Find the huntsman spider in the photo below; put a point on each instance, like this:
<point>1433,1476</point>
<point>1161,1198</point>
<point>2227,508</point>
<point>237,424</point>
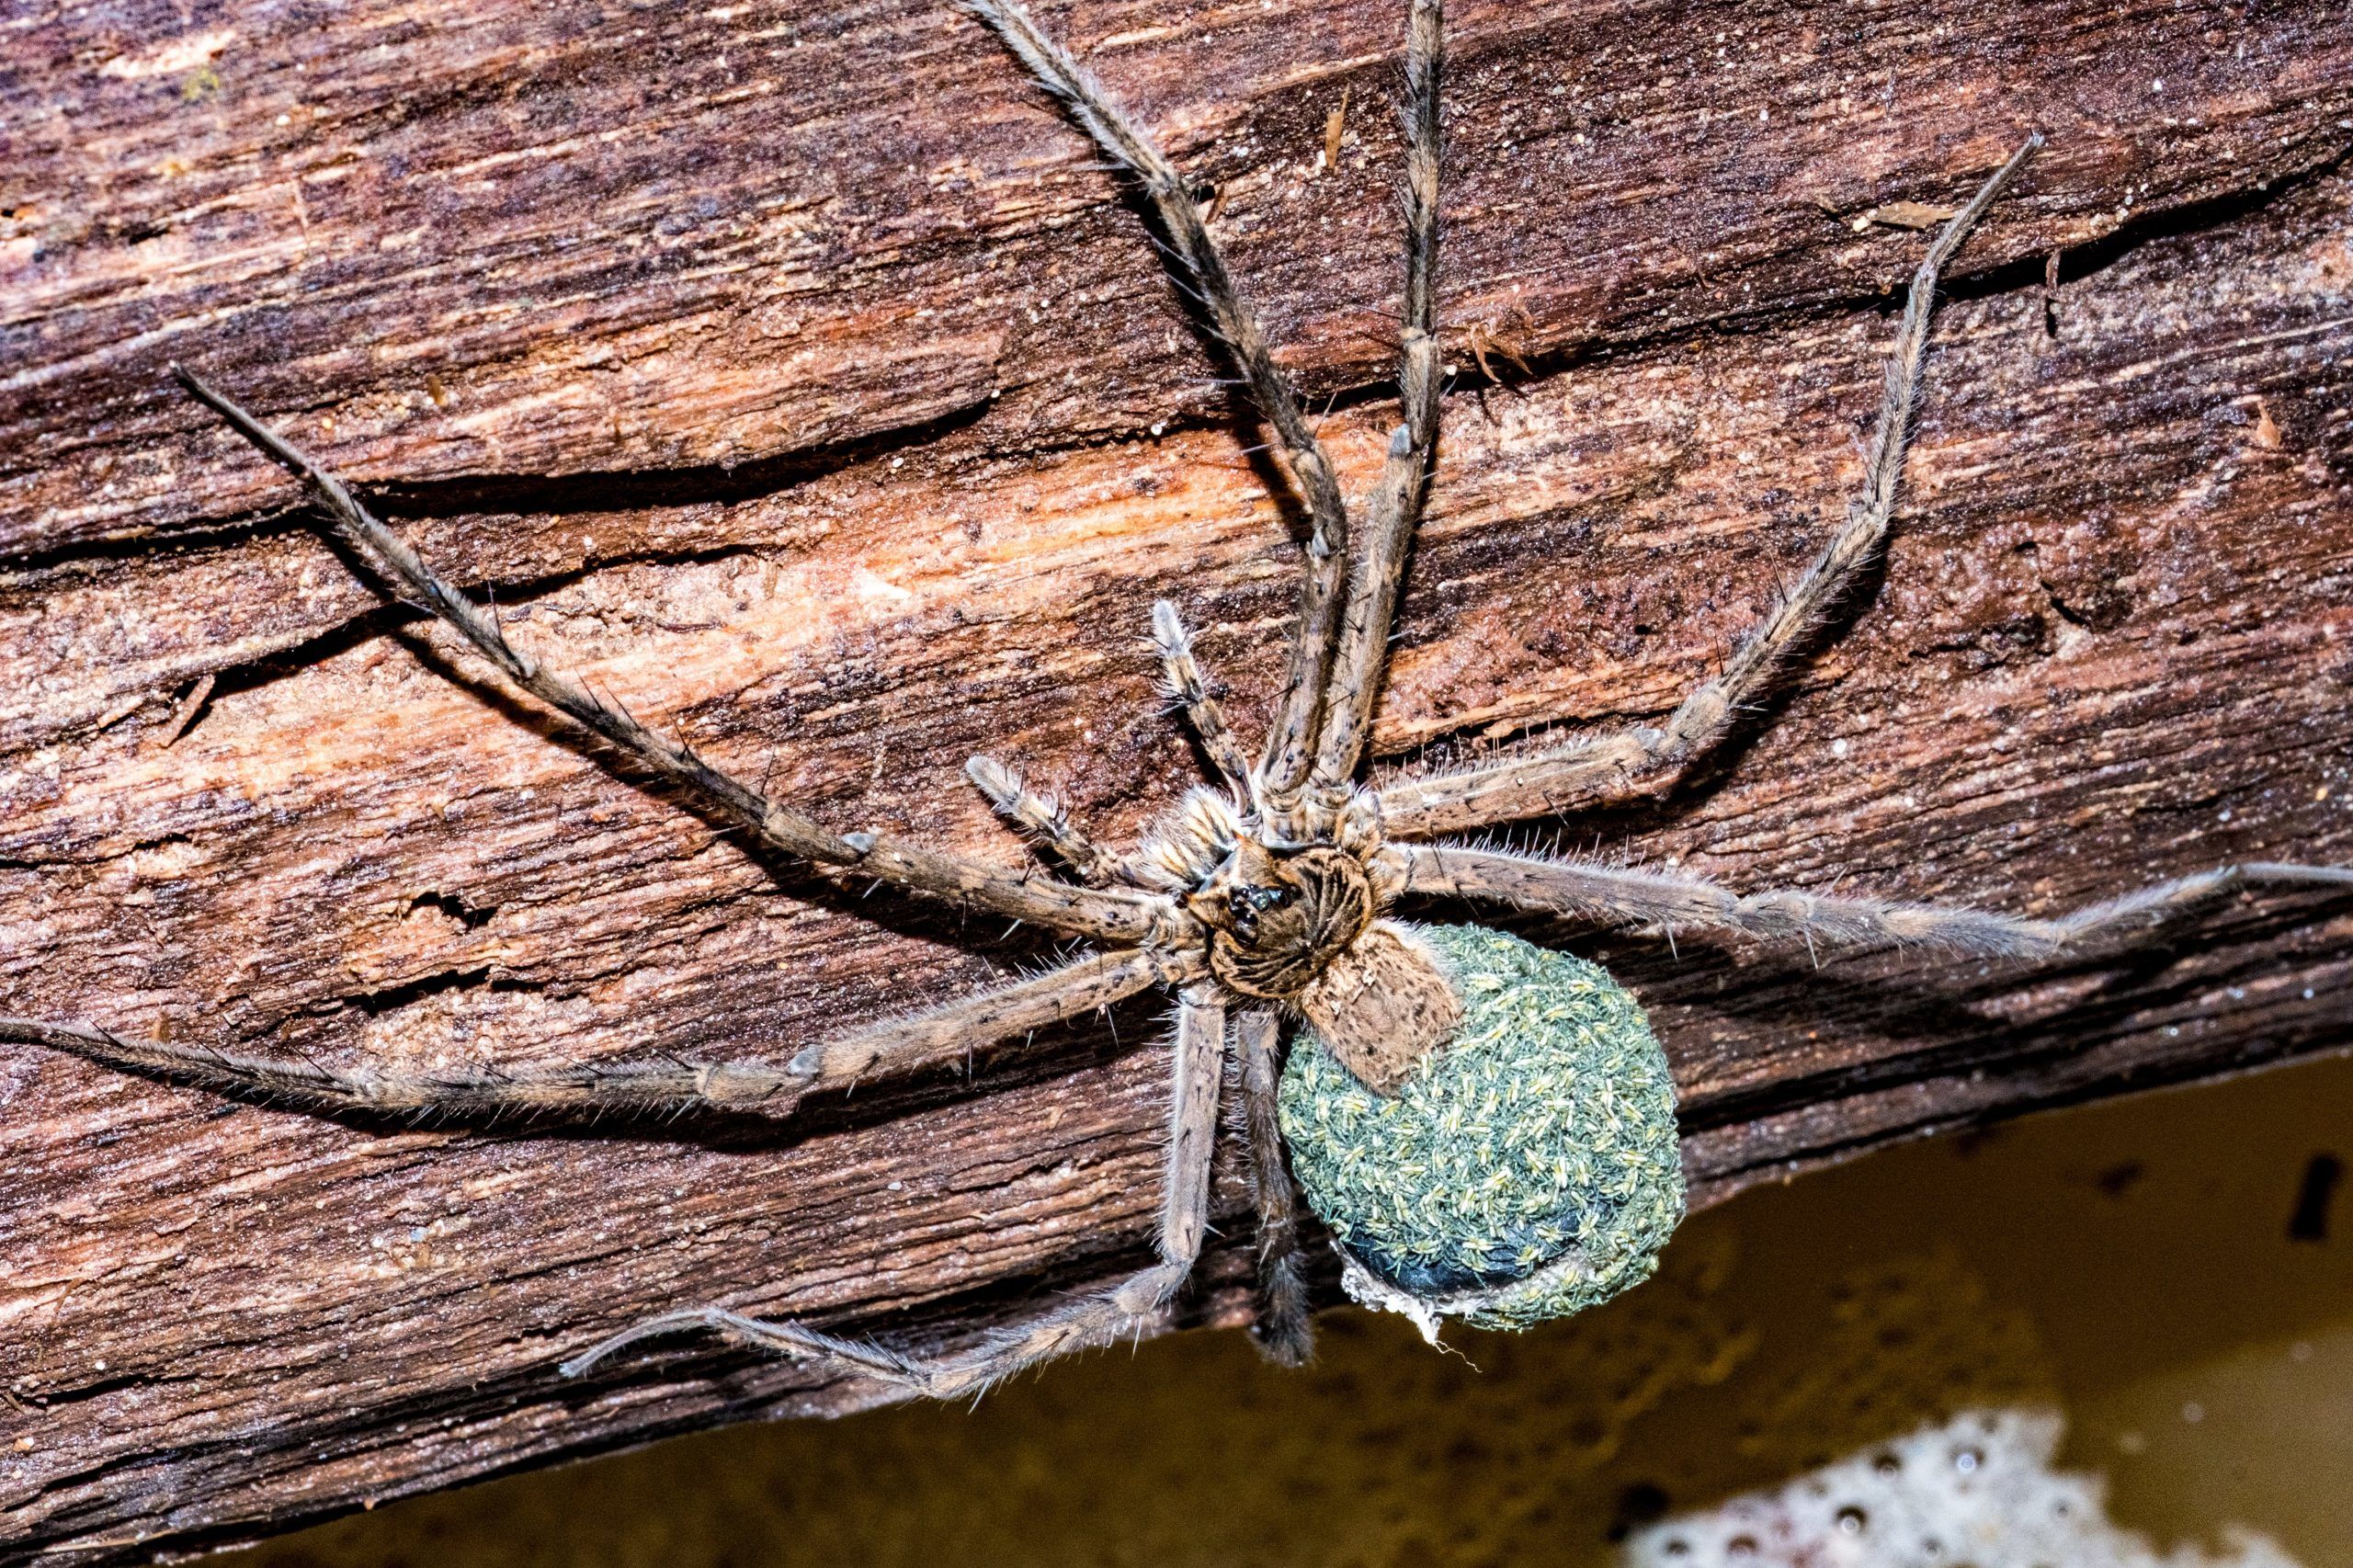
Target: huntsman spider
<point>1263,897</point>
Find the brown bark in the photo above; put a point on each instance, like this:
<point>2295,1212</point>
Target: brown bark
<point>785,369</point>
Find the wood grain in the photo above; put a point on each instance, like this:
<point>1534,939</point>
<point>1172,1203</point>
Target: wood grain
<point>788,370</point>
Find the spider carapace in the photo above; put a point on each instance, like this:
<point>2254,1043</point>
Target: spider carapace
<point>1299,927</point>
<point>1486,1128</point>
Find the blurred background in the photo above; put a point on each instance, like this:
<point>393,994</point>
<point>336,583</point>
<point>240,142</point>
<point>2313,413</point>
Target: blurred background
<point>2119,1335</point>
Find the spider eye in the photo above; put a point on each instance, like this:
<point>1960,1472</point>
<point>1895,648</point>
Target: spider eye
<point>1245,904</point>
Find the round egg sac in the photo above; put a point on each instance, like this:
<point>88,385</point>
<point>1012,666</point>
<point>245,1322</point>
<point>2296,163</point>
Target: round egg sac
<point>1525,1170</point>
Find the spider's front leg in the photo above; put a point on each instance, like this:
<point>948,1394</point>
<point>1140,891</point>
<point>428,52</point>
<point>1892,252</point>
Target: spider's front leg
<point>1101,914</point>
<point>1089,1320</point>
<point>1394,509</point>
<point>1148,927</point>
<point>1200,268</point>
<point>1594,768</point>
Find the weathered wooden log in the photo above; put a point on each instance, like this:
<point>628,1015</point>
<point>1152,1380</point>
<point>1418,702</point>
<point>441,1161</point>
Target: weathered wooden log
<point>787,369</point>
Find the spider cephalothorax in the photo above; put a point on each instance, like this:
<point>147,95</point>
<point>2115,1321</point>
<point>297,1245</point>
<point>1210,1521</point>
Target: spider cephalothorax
<point>1485,1126</point>
<point>1299,926</point>
<point>1279,918</point>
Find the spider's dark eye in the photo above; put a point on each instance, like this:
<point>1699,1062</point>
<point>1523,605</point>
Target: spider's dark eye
<point>1245,904</point>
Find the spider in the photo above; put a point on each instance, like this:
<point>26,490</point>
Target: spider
<point>1260,898</point>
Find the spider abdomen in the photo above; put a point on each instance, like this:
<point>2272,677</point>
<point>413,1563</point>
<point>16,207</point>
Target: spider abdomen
<point>1527,1170</point>
<point>1298,926</point>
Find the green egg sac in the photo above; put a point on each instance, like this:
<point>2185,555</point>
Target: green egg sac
<point>1528,1169</point>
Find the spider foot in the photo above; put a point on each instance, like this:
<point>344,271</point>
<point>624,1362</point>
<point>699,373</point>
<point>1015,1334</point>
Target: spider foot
<point>1284,1334</point>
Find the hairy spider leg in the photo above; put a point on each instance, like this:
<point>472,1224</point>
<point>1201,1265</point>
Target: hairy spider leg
<point>1378,566</point>
<point>932,1038</point>
<point>1282,1329</point>
<point>1288,751</point>
<point>1126,1308</point>
<point>1145,930</point>
<point>1679,902</point>
<point>1107,915</point>
<point>1566,778</point>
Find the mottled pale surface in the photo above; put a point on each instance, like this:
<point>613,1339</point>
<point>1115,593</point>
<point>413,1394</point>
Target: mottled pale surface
<point>785,369</point>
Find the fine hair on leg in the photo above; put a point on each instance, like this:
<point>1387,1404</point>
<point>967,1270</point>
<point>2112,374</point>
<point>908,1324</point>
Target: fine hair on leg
<point>1678,902</point>
<point>1041,818</point>
<point>930,1037</point>
<point>1284,1332</point>
<point>1090,1320</point>
<point>1596,766</point>
<point>1190,691</point>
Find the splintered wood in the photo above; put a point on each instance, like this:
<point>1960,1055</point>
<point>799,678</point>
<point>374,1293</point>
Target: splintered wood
<point>793,377</point>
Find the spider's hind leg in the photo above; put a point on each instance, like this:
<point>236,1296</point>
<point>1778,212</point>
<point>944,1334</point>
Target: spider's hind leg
<point>1673,901</point>
<point>1283,1331</point>
<point>928,1039</point>
<point>1088,1321</point>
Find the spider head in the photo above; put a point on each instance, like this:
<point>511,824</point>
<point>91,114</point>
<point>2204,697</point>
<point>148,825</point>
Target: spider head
<point>1278,918</point>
